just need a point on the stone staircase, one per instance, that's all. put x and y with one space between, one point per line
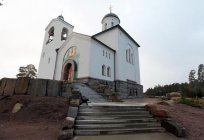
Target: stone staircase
106 120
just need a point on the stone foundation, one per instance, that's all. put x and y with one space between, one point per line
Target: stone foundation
125 89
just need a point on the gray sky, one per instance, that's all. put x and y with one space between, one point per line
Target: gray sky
170 32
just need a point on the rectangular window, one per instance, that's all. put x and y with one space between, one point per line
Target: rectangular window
109 55
103 53
49 60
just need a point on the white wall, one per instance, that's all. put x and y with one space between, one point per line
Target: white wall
127 70
82 43
97 60
46 70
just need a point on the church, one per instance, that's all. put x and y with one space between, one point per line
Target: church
110 56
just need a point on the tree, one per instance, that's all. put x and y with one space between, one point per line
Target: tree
201 73
191 77
28 71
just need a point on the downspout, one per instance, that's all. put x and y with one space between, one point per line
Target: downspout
55 63
114 72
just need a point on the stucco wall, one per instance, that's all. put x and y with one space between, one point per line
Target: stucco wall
46 69
82 43
97 59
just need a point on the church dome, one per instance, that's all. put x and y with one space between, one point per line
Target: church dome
60 17
110 20
110 15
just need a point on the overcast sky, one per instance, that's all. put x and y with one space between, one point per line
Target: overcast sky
170 32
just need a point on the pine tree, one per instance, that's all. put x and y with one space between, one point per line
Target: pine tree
28 71
191 77
201 73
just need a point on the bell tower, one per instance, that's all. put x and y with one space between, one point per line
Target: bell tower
56 33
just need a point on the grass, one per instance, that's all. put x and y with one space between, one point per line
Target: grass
191 102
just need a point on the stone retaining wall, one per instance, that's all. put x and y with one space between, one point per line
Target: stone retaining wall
125 89
36 87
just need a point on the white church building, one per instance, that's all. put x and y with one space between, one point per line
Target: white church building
110 57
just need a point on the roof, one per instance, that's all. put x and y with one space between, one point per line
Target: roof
117 26
102 43
111 15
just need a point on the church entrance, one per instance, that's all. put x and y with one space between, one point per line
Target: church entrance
69 71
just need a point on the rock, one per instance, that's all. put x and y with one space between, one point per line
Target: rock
10 86
72 112
160 113
68 123
53 88
3 85
66 94
17 107
76 91
66 134
173 128
150 107
173 94
37 87
163 103
74 102
22 85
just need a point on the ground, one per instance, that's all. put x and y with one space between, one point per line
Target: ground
191 118
39 119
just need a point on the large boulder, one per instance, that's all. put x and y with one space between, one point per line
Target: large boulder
37 87
72 112
66 134
3 85
156 112
22 85
173 128
68 123
10 86
54 88
173 94
160 113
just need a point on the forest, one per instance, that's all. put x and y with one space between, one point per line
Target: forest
194 88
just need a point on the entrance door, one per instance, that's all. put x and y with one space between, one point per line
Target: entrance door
68 71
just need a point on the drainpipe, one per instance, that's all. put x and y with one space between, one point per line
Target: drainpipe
55 63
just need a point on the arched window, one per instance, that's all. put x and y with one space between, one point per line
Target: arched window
105 25
109 72
64 34
50 35
104 70
103 52
112 24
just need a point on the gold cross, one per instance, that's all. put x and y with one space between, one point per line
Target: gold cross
110 9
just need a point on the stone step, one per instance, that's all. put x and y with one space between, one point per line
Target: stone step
113 121
112 107
112 117
115 126
117 131
93 113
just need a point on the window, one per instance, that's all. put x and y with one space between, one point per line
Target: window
109 72
64 34
105 25
129 56
50 35
106 54
112 24
103 52
109 55
104 70
49 60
